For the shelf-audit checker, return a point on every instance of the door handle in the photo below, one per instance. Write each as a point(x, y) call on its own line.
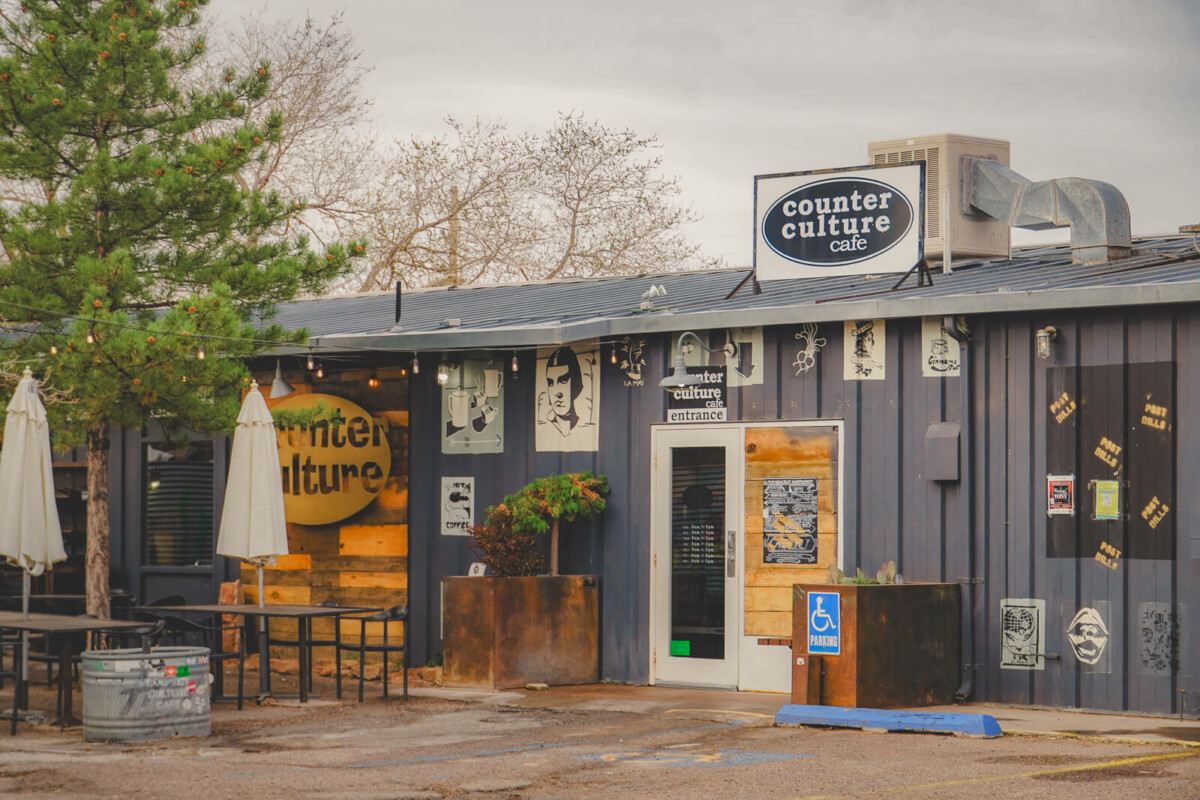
point(731, 554)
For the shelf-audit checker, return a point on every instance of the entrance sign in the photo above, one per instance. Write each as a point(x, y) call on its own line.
point(329, 471)
point(701, 402)
point(855, 221)
point(824, 623)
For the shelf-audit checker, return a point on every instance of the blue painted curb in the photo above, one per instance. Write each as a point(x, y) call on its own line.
point(981, 725)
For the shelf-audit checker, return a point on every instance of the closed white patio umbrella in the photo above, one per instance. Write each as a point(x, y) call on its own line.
point(30, 534)
point(252, 522)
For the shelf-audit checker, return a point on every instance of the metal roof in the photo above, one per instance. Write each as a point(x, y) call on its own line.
point(1161, 270)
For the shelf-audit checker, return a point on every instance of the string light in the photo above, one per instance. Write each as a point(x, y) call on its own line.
point(200, 353)
point(320, 370)
point(90, 338)
point(416, 365)
point(310, 361)
point(443, 374)
point(53, 349)
point(404, 372)
point(373, 381)
point(515, 366)
point(614, 354)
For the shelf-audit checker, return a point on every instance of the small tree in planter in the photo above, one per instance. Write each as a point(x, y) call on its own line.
point(507, 541)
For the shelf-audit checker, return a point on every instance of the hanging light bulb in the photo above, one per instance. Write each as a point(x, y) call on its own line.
point(90, 338)
point(443, 374)
point(53, 349)
point(320, 370)
point(310, 361)
point(183, 379)
point(613, 359)
point(416, 366)
point(515, 366)
point(373, 381)
point(200, 353)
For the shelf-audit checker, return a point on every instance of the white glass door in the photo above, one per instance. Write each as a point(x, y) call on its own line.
point(696, 531)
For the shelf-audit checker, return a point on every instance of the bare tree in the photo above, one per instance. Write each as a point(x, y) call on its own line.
point(483, 205)
point(326, 145)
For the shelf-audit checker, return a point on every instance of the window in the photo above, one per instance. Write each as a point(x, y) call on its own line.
point(177, 520)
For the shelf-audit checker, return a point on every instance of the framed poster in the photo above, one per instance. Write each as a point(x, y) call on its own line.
point(458, 506)
point(1060, 495)
point(473, 408)
point(789, 520)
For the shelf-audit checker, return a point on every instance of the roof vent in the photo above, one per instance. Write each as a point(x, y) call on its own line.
point(452, 322)
point(1096, 212)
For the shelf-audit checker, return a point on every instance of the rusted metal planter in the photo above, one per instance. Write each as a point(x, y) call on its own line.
point(500, 633)
point(900, 647)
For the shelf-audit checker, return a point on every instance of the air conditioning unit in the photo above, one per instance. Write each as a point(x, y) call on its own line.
point(972, 234)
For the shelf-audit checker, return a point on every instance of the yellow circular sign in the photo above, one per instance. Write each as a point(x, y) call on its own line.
point(331, 471)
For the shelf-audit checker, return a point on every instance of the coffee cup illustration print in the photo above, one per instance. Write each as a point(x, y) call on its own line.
point(473, 408)
point(568, 399)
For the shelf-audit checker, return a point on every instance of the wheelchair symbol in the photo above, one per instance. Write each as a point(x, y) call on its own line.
point(820, 621)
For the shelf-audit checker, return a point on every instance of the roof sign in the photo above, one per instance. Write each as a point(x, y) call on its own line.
point(859, 221)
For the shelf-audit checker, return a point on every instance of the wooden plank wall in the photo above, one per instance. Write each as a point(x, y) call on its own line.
point(361, 560)
point(786, 452)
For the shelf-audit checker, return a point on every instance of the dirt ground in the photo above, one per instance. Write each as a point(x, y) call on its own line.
point(432, 747)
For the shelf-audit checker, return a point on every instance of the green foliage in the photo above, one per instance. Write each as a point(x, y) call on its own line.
point(885, 575)
point(559, 497)
point(507, 552)
point(508, 540)
point(126, 221)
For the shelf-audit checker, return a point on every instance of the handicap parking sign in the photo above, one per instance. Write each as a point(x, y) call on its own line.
point(824, 623)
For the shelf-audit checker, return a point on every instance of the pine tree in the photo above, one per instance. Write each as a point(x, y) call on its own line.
point(135, 274)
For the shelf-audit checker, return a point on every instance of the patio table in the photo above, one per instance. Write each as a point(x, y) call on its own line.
point(60, 625)
point(303, 615)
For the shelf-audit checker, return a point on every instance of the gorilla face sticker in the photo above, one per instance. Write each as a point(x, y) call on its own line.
point(1088, 635)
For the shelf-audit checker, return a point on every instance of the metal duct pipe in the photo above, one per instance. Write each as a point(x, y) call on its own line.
point(1096, 212)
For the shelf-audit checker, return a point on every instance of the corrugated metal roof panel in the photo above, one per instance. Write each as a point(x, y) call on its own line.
point(537, 313)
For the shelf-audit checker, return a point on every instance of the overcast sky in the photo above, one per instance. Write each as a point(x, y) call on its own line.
point(1101, 89)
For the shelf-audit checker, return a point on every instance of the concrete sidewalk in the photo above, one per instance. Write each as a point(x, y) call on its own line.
point(759, 708)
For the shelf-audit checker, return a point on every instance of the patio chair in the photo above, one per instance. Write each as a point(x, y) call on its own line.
point(393, 614)
point(184, 631)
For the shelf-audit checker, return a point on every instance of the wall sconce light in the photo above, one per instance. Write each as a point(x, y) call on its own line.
point(443, 374)
point(679, 376)
point(1043, 338)
point(280, 387)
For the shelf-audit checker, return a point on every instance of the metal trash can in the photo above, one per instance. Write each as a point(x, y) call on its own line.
point(136, 696)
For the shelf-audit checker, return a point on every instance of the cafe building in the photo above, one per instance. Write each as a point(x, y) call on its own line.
point(890, 381)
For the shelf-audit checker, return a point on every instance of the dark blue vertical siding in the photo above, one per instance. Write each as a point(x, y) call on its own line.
point(891, 510)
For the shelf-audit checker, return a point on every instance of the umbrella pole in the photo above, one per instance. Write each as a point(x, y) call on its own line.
point(22, 686)
point(264, 649)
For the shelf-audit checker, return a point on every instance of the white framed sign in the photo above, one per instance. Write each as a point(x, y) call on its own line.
point(854, 221)
point(458, 506)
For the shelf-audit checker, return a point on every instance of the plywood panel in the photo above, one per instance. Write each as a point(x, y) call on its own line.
point(373, 540)
point(380, 580)
point(769, 623)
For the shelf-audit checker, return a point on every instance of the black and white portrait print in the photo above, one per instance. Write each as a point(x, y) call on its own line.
point(568, 399)
point(864, 351)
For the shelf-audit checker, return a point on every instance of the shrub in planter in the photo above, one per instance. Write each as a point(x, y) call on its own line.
point(507, 540)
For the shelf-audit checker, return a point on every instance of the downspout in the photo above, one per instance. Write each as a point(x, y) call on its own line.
point(957, 328)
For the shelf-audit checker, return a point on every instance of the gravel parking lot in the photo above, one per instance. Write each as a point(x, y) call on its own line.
point(433, 747)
